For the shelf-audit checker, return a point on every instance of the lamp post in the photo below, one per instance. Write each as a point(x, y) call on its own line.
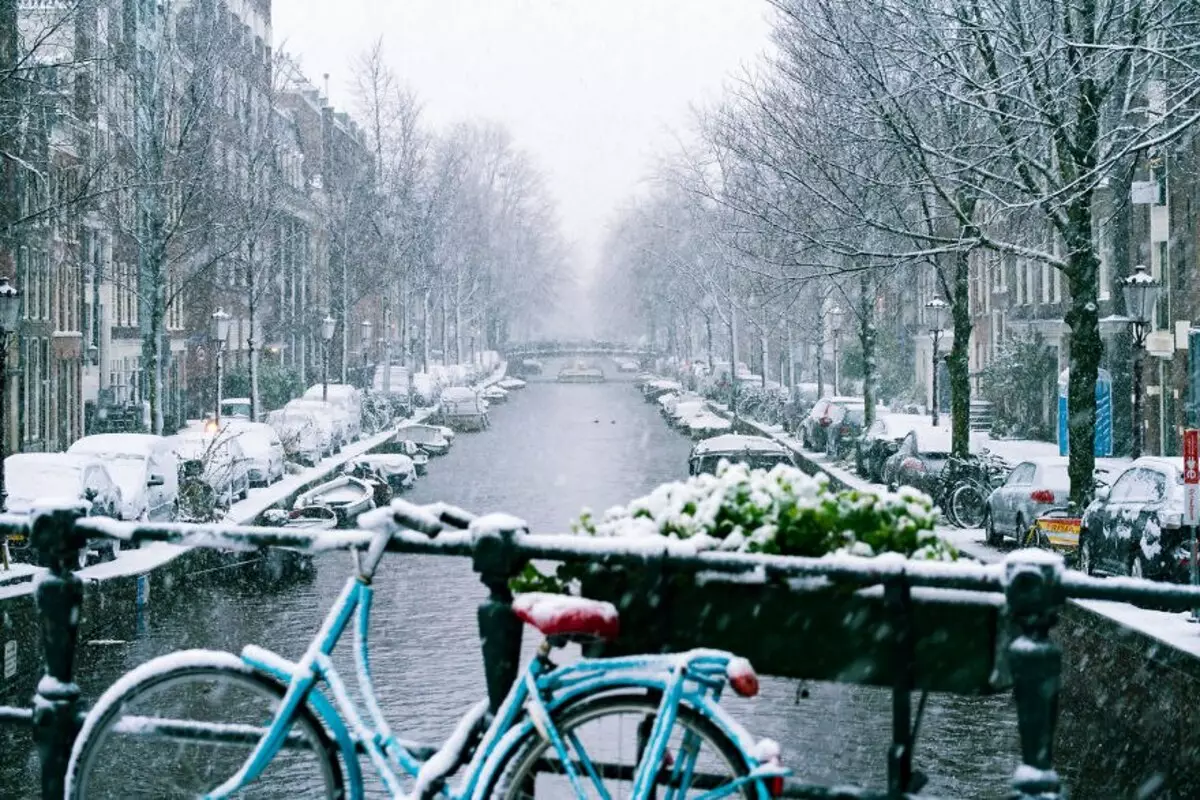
point(10, 312)
point(220, 334)
point(1140, 291)
point(365, 327)
point(936, 318)
point(835, 327)
point(328, 326)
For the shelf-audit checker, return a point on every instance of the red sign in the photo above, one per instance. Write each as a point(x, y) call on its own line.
point(1191, 456)
point(1191, 477)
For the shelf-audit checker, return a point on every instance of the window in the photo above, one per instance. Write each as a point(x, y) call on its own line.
point(1058, 292)
point(1022, 475)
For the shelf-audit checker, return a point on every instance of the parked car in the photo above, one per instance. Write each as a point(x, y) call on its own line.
point(145, 468)
point(919, 459)
point(840, 438)
point(1136, 526)
point(306, 435)
point(1032, 488)
point(33, 477)
point(757, 452)
point(224, 465)
point(337, 416)
point(262, 446)
point(826, 412)
point(880, 442)
point(345, 397)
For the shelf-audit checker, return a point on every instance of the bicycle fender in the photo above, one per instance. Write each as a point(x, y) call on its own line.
point(280, 669)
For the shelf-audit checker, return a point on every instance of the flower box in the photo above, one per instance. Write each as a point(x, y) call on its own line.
point(810, 630)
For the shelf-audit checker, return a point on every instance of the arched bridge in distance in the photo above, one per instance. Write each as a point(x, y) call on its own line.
point(561, 348)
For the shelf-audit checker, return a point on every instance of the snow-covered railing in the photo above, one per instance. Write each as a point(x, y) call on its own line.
point(1032, 585)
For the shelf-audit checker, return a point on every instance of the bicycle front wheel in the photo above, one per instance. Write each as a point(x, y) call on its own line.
point(182, 731)
point(606, 737)
point(968, 506)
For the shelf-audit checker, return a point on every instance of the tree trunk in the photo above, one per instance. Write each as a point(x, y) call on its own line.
point(251, 343)
point(959, 363)
point(1082, 271)
point(866, 338)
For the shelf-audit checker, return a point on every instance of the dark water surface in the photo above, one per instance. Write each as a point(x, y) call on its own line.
point(552, 450)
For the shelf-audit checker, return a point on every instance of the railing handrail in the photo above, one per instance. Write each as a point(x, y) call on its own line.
point(672, 553)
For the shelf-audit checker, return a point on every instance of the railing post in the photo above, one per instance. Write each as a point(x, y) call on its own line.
point(59, 601)
point(497, 561)
point(1033, 590)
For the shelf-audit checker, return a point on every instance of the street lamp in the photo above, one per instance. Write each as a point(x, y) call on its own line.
point(835, 327)
point(366, 347)
point(328, 326)
point(936, 309)
point(221, 334)
point(1141, 296)
point(10, 312)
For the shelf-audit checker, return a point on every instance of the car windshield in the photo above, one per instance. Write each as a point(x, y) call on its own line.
point(129, 474)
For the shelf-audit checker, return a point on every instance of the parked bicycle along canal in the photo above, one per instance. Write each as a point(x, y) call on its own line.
point(552, 450)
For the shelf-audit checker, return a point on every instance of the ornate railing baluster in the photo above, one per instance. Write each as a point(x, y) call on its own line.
point(57, 539)
point(1033, 589)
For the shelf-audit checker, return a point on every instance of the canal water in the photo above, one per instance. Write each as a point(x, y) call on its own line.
point(553, 449)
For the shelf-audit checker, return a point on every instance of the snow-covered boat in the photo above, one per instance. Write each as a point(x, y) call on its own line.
point(463, 409)
point(430, 438)
point(581, 372)
point(346, 496)
point(494, 394)
point(321, 518)
point(509, 384)
point(397, 470)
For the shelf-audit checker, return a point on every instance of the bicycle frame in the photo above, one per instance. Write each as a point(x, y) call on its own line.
point(693, 678)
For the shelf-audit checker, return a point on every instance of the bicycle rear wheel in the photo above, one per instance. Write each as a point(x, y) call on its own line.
point(968, 506)
point(182, 731)
point(609, 733)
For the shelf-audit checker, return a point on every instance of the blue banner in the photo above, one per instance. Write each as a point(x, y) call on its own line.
point(1103, 445)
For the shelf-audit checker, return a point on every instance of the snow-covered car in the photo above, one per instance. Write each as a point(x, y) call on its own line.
point(307, 436)
point(145, 468)
point(224, 465)
point(347, 398)
point(337, 416)
point(1032, 488)
point(30, 478)
point(262, 446)
point(880, 442)
point(1136, 526)
point(756, 452)
point(827, 412)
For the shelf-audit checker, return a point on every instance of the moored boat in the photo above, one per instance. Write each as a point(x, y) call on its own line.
point(346, 496)
point(463, 409)
point(398, 471)
point(510, 383)
point(494, 394)
point(430, 438)
point(581, 372)
point(320, 518)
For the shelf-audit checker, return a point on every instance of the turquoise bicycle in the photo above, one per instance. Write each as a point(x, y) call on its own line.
point(208, 724)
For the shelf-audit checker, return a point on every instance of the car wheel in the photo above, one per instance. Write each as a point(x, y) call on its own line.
point(1022, 533)
point(991, 536)
point(1086, 561)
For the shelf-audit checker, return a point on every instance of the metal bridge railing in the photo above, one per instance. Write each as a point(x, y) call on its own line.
point(1034, 584)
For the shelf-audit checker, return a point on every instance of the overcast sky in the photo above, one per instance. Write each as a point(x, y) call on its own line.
point(593, 89)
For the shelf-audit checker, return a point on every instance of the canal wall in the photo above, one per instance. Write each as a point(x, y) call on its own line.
point(1129, 723)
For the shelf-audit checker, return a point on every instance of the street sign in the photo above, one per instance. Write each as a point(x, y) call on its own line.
point(1191, 476)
